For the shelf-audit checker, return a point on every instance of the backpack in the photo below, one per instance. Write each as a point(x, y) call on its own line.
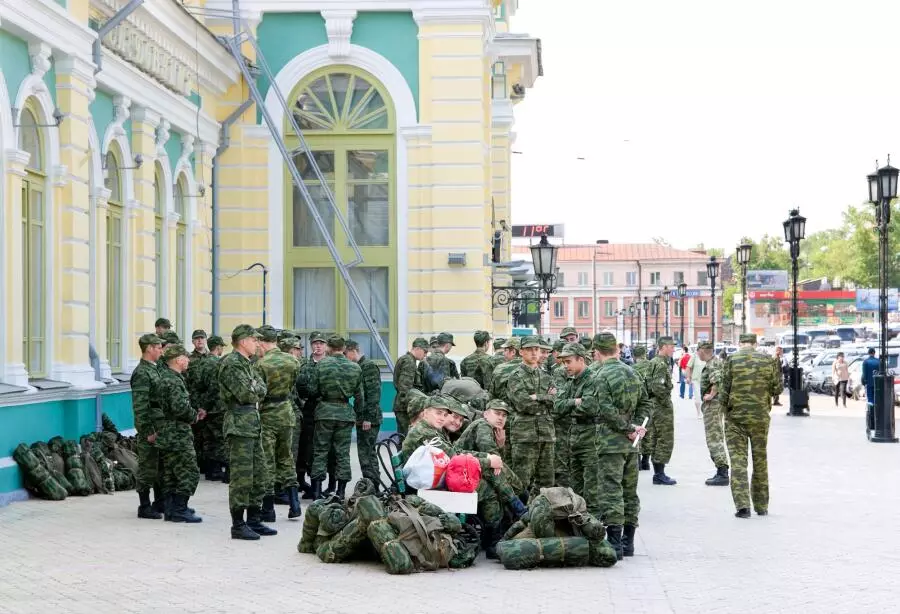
point(434, 372)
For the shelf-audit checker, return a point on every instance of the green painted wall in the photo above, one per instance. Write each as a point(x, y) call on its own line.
point(173, 150)
point(283, 36)
point(14, 61)
point(50, 80)
point(103, 111)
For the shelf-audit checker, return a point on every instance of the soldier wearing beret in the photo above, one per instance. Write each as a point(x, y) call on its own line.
point(405, 370)
point(660, 439)
point(176, 441)
point(148, 421)
point(713, 420)
point(206, 393)
point(479, 364)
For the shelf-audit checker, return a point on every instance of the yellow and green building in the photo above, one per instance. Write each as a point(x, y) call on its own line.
point(141, 180)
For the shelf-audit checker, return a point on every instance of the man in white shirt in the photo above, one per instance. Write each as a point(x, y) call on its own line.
point(694, 369)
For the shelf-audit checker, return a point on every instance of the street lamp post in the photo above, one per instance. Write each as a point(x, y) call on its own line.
point(646, 325)
point(656, 317)
point(712, 271)
point(882, 190)
point(794, 232)
point(631, 312)
point(666, 298)
point(682, 292)
point(743, 257)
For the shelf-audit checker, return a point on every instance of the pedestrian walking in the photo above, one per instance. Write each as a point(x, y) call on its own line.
point(840, 375)
point(683, 380)
point(869, 367)
point(693, 373)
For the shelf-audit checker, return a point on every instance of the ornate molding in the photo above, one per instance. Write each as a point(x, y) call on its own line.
point(121, 113)
point(187, 149)
point(17, 157)
point(60, 176)
point(40, 59)
point(162, 136)
point(79, 69)
point(145, 115)
point(339, 27)
point(172, 219)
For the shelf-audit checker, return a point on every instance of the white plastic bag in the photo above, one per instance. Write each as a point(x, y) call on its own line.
point(426, 466)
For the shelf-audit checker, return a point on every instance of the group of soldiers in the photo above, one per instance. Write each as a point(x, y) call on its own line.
point(260, 419)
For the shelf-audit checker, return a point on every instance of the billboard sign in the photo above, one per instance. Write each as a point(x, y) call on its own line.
point(767, 280)
point(867, 299)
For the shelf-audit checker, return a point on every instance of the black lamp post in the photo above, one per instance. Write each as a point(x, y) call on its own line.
point(519, 296)
point(882, 190)
point(743, 257)
point(666, 298)
point(656, 318)
point(646, 324)
point(682, 292)
point(712, 271)
point(794, 232)
point(631, 313)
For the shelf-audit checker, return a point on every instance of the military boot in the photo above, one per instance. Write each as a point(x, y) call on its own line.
point(239, 528)
point(215, 473)
point(293, 496)
point(255, 522)
point(180, 511)
point(268, 509)
point(660, 477)
point(167, 513)
point(145, 509)
point(159, 500)
point(645, 462)
point(226, 475)
point(614, 537)
point(316, 490)
point(490, 535)
point(305, 486)
point(329, 488)
point(744, 512)
point(628, 540)
point(720, 479)
point(341, 489)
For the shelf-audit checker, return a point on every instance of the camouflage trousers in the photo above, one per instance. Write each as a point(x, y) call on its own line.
point(714, 426)
point(304, 454)
point(743, 438)
point(149, 461)
point(331, 437)
point(618, 477)
point(198, 430)
point(213, 439)
point(584, 464)
point(402, 421)
point(660, 438)
point(495, 492)
point(295, 435)
point(249, 475)
point(277, 437)
point(533, 463)
point(181, 474)
point(562, 453)
point(365, 450)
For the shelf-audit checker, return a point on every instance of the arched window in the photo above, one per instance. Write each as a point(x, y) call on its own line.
point(181, 289)
point(159, 208)
point(114, 244)
point(348, 122)
point(34, 245)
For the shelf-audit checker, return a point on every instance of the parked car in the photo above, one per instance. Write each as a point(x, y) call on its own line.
point(818, 378)
point(855, 387)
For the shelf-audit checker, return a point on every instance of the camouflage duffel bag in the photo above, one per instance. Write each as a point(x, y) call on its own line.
point(546, 552)
point(91, 468)
point(306, 545)
point(38, 478)
point(602, 554)
point(369, 509)
point(341, 547)
point(393, 553)
point(75, 469)
point(42, 451)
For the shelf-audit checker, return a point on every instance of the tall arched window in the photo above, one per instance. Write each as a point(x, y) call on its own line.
point(181, 289)
point(34, 245)
point(114, 243)
point(159, 208)
point(348, 122)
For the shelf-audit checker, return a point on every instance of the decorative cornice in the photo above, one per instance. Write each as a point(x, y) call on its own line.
point(172, 219)
point(162, 136)
point(76, 67)
point(339, 27)
point(502, 114)
point(47, 21)
point(121, 113)
point(17, 157)
point(102, 194)
point(145, 115)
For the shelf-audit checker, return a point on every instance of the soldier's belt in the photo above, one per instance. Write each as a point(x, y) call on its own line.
point(586, 421)
point(278, 399)
point(243, 409)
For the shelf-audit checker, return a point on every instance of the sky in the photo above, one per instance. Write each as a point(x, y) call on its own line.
point(703, 122)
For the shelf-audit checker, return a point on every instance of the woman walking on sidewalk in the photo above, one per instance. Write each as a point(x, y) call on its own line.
point(840, 375)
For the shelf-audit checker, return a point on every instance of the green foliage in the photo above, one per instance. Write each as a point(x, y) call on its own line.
point(728, 298)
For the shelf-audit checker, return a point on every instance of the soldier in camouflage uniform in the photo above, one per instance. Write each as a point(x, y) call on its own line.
point(569, 334)
point(748, 385)
point(479, 364)
point(240, 393)
point(437, 366)
point(308, 399)
point(660, 439)
point(368, 420)
point(642, 366)
point(198, 338)
point(498, 357)
point(405, 371)
point(279, 372)
point(293, 345)
point(162, 325)
point(206, 396)
point(148, 421)
point(500, 377)
point(335, 381)
point(562, 423)
point(176, 441)
point(713, 421)
point(531, 397)
point(576, 410)
point(623, 405)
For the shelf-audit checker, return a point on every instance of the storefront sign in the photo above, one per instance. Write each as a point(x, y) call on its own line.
point(804, 295)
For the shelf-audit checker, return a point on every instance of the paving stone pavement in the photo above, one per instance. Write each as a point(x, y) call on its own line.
point(830, 544)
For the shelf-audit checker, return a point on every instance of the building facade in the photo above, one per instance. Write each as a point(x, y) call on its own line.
point(143, 177)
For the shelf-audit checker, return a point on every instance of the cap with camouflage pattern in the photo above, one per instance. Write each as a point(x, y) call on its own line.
point(568, 330)
point(170, 336)
point(559, 345)
point(455, 407)
point(335, 342)
point(420, 342)
point(290, 343)
point(198, 334)
point(416, 402)
point(639, 351)
point(604, 342)
point(530, 341)
point(545, 345)
point(242, 331)
point(512, 343)
point(497, 405)
point(317, 336)
point(267, 334)
point(481, 337)
point(498, 342)
point(149, 339)
point(215, 341)
point(433, 341)
point(747, 338)
point(285, 334)
point(665, 340)
point(443, 338)
point(436, 401)
point(174, 350)
point(705, 345)
point(585, 341)
point(573, 349)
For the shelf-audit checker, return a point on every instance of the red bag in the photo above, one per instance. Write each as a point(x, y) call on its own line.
point(463, 473)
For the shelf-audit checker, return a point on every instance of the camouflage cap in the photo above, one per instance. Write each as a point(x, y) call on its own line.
point(170, 336)
point(559, 345)
point(198, 334)
point(545, 345)
point(286, 334)
point(416, 402)
point(215, 341)
point(497, 405)
point(149, 339)
point(639, 351)
point(290, 343)
point(748, 338)
point(605, 343)
point(513, 342)
point(705, 345)
point(443, 338)
point(530, 341)
point(573, 349)
point(162, 323)
point(242, 331)
point(174, 350)
point(437, 401)
point(665, 340)
point(481, 337)
point(267, 334)
point(498, 342)
point(585, 341)
point(455, 407)
point(317, 336)
point(433, 341)
point(351, 345)
point(420, 342)
point(568, 330)
point(336, 342)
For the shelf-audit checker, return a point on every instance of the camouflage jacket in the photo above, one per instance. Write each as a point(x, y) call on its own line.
point(436, 368)
point(479, 436)
point(278, 370)
point(371, 380)
point(240, 392)
point(497, 359)
point(479, 365)
point(710, 376)
point(206, 385)
point(623, 402)
point(500, 379)
point(658, 379)
point(148, 416)
point(532, 420)
point(565, 409)
point(404, 381)
point(559, 376)
point(421, 433)
point(748, 385)
point(176, 406)
point(336, 380)
point(192, 376)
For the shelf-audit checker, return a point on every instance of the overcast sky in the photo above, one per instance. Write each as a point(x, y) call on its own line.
point(702, 121)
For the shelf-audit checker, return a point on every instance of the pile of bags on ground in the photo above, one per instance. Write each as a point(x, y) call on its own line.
point(104, 462)
point(408, 534)
point(557, 531)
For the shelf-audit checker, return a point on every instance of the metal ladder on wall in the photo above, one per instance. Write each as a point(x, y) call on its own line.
point(242, 34)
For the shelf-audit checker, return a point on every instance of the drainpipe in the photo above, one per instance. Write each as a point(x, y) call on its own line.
point(108, 27)
point(224, 144)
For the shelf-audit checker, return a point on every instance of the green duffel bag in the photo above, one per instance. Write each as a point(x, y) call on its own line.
point(342, 547)
point(396, 558)
point(75, 469)
point(546, 552)
point(38, 478)
point(42, 451)
point(602, 554)
point(91, 468)
point(332, 519)
point(369, 509)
